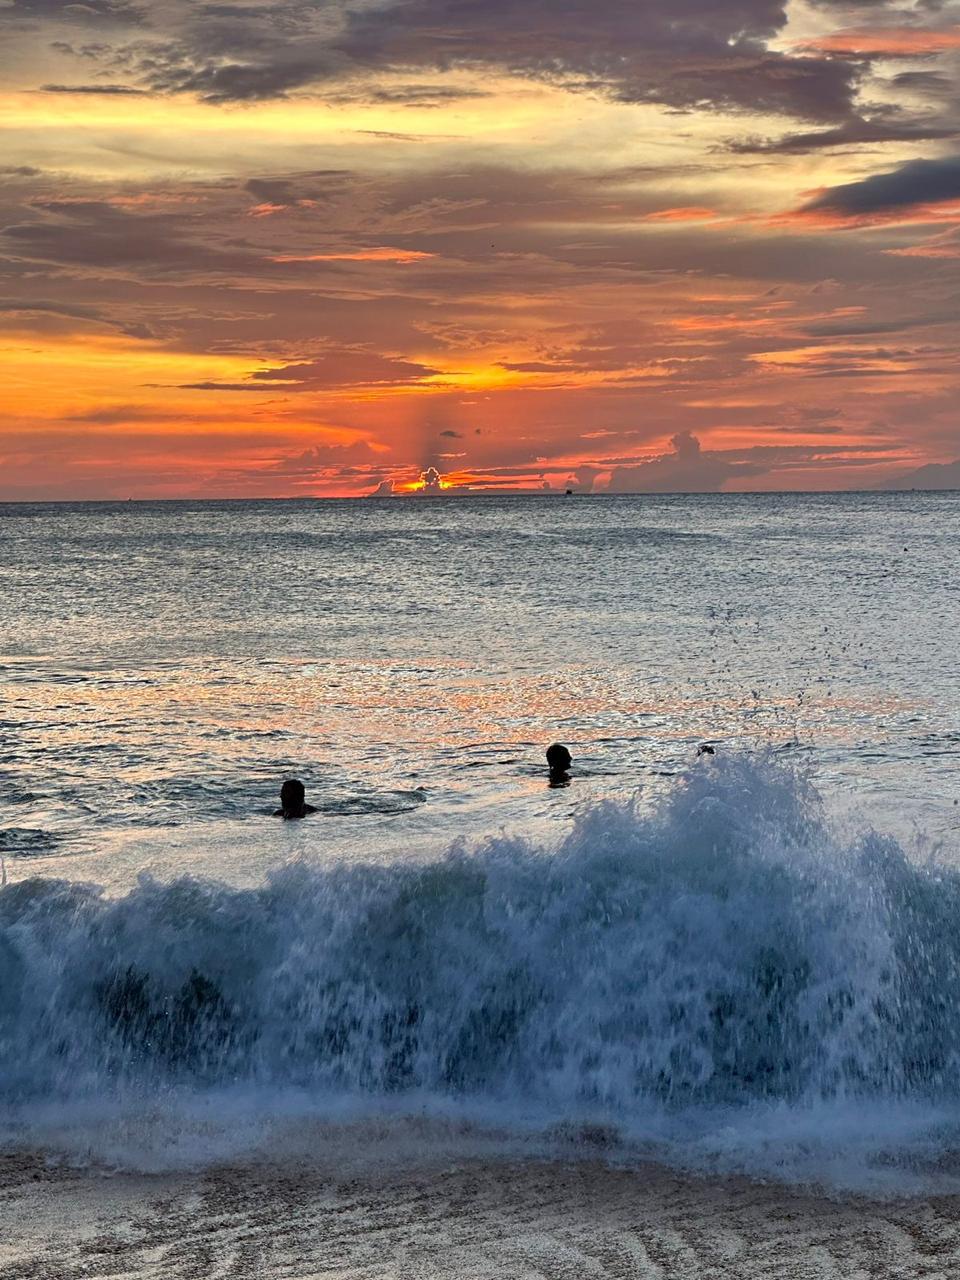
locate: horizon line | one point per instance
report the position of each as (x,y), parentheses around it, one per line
(448,494)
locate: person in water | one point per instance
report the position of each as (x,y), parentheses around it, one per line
(559,761)
(292,801)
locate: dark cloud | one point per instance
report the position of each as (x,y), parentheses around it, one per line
(176,71)
(853,132)
(308,462)
(688,469)
(812,429)
(92,51)
(583,479)
(918,182)
(219,386)
(853,326)
(423,96)
(329,371)
(120,414)
(235,53)
(195,241)
(272,190)
(431,480)
(935,475)
(120,89)
(243,12)
(73,311)
(92,11)
(340,368)
(303,190)
(852,361)
(92,233)
(687,55)
(928,82)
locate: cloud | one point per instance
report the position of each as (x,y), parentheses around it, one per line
(307,463)
(98,234)
(688,469)
(175,70)
(583,479)
(333,369)
(431,482)
(106,90)
(275,191)
(829,360)
(346,367)
(935,475)
(90,11)
(684,55)
(932,83)
(918,182)
(632,50)
(384,489)
(375,253)
(886,41)
(577,301)
(73,311)
(946,244)
(307,191)
(422,96)
(120,414)
(222,386)
(853,132)
(854,325)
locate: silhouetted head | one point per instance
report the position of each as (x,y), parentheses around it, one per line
(559,759)
(292,797)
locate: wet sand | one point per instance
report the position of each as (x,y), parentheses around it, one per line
(469,1218)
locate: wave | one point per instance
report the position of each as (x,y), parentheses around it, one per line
(27,842)
(722,950)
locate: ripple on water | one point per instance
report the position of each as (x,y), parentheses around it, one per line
(28,842)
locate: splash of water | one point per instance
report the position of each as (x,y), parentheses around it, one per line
(723,949)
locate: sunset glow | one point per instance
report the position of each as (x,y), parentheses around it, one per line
(430,246)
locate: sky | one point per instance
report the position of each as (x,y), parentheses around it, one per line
(341,247)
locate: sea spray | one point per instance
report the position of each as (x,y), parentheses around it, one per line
(722,947)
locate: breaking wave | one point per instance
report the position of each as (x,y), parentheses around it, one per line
(720,952)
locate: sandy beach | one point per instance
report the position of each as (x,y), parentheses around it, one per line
(470,1218)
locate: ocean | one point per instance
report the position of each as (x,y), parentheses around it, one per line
(745,962)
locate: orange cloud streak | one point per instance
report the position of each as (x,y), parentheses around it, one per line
(683,213)
(884,41)
(833,219)
(381,254)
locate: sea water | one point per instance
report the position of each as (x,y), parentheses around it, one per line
(750,957)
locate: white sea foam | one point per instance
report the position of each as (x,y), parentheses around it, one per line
(720,980)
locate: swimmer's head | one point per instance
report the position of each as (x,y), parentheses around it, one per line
(292,796)
(559,759)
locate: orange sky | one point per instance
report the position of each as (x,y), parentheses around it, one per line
(275,248)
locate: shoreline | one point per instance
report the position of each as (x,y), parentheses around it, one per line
(456,1217)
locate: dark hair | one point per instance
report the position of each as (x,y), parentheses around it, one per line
(292,792)
(558,757)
